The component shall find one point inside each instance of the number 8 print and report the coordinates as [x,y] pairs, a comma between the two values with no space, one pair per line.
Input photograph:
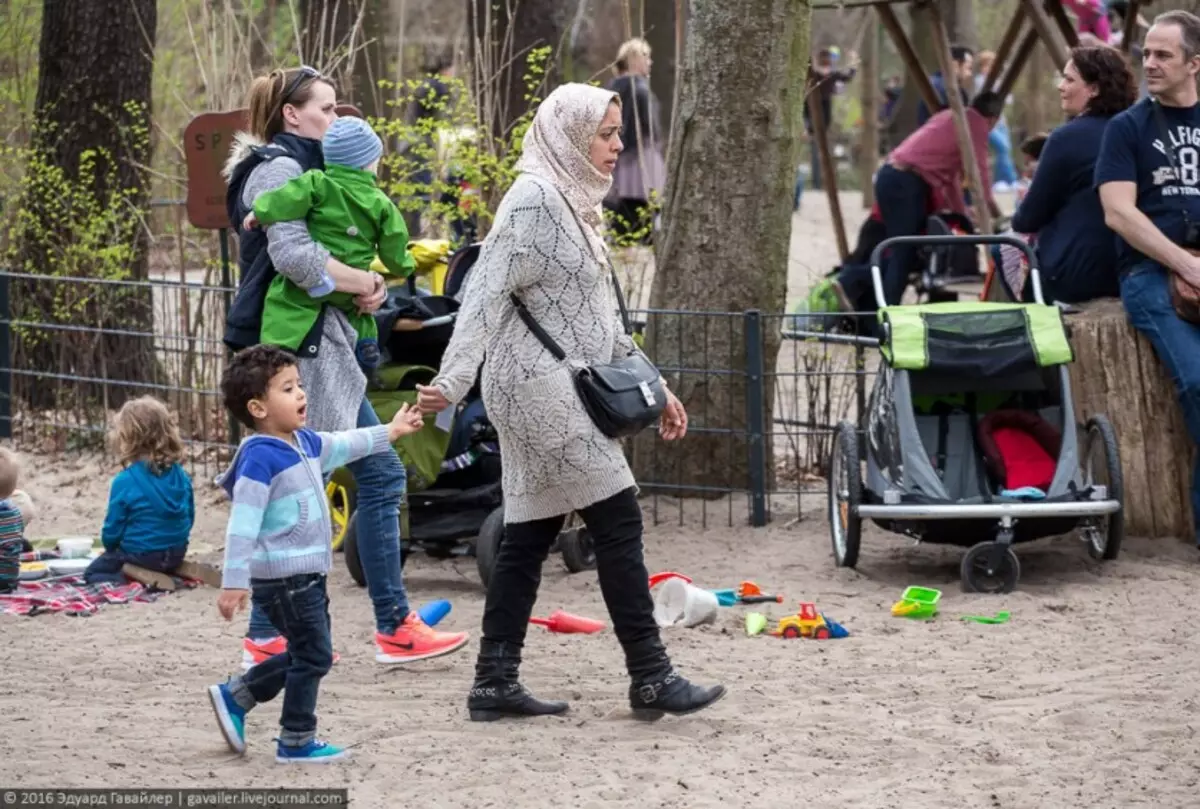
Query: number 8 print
[1189,165]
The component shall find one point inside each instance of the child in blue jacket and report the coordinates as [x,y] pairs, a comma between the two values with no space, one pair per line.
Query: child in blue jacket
[150,504]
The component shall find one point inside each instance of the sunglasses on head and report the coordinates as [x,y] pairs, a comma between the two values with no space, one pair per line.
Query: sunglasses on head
[302,74]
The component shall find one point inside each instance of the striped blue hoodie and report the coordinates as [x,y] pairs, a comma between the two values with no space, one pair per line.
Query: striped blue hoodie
[279,525]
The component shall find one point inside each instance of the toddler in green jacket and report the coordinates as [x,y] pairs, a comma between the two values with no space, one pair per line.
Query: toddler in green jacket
[352,218]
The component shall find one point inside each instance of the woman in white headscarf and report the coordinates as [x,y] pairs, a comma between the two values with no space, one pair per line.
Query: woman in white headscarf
[546,249]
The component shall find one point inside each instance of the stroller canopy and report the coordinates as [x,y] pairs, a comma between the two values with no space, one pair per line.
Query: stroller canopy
[973,339]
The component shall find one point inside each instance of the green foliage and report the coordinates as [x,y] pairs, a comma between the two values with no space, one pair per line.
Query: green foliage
[436,154]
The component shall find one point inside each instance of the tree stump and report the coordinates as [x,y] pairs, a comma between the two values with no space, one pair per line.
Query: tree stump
[1117,373]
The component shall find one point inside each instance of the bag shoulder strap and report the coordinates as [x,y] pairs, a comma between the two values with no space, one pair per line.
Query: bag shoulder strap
[538,331]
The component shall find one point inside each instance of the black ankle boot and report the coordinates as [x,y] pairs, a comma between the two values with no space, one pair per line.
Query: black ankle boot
[497,693]
[657,689]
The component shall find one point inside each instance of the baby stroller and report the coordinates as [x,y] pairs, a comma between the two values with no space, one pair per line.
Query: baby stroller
[453,505]
[971,437]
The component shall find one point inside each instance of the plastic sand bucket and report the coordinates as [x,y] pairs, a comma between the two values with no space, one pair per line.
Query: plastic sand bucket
[678,602]
[917,602]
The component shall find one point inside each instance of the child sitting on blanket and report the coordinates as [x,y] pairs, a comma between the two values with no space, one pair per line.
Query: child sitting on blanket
[352,218]
[16,512]
[277,546]
[150,503]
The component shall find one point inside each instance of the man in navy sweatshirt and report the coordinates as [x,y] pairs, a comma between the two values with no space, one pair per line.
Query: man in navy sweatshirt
[1148,175]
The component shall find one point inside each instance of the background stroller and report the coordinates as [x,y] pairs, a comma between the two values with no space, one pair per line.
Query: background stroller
[958,383]
[454,503]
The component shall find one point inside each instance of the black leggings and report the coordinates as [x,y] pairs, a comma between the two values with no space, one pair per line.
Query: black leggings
[616,528]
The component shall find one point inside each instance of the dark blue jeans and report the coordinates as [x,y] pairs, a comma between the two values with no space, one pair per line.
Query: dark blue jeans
[298,608]
[1176,342]
[903,199]
[381,480]
[107,566]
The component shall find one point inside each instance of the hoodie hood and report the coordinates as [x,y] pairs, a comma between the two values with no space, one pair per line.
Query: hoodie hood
[168,492]
[243,142]
[227,479]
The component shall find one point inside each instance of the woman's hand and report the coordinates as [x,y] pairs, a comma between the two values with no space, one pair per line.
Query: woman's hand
[672,425]
[371,301]
[431,399]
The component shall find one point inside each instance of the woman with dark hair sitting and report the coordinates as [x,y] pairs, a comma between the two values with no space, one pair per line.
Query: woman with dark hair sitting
[1061,210]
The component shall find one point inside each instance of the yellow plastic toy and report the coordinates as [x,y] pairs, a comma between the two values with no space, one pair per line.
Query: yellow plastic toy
[807,623]
[432,259]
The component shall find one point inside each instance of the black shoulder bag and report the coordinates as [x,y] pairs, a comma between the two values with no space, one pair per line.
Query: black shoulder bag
[623,397]
[1185,298]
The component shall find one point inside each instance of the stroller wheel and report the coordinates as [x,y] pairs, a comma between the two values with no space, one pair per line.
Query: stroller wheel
[983,572]
[1102,465]
[845,495]
[578,552]
[487,547]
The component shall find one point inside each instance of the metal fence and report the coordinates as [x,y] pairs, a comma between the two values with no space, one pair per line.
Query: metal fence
[72,349]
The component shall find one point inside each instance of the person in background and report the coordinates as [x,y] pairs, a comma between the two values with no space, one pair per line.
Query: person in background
[1091,17]
[825,81]
[964,63]
[16,512]
[999,141]
[428,103]
[641,171]
[926,169]
[1061,210]
[150,504]
[1154,206]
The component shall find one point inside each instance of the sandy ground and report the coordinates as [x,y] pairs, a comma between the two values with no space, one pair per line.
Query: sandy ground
[1084,699]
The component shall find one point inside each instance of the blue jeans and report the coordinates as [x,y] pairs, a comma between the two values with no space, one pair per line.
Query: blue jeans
[381,480]
[107,566]
[1000,143]
[298,608]
[1176,342]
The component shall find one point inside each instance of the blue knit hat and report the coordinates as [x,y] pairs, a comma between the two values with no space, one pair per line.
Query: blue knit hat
[351,142]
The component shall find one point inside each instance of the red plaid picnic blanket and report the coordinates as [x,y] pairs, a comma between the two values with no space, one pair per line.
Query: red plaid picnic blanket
[71,595]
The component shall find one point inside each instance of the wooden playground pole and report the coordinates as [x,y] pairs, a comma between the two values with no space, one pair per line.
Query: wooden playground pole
[1041,24]
[1005,49]
[1131,16]
[1070,35]
[983,215]
[869,145]
[909,57]
[1024,51]
[816,114]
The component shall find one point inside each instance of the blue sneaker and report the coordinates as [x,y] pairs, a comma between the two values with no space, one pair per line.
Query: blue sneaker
[230,717]
[315,752]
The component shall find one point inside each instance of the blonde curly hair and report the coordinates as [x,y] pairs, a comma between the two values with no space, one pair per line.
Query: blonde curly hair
[10,471]
[144,430]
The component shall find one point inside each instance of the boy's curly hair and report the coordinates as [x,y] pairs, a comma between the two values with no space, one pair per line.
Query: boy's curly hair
[248,375]
[10,471]
[145,430]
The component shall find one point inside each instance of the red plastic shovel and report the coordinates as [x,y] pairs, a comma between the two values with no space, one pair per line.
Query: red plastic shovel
[566,623]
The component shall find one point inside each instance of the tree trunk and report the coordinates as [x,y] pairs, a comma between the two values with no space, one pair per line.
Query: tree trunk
[374,60]
[727,233]
[84,199]
[1117,374]
[329,40]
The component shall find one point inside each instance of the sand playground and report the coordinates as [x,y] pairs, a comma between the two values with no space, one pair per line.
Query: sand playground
[1086,697]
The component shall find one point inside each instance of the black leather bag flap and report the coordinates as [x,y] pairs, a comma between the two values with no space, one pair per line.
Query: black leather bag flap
[625,374]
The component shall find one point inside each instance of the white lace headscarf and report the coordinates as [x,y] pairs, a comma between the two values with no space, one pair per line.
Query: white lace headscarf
[558,143]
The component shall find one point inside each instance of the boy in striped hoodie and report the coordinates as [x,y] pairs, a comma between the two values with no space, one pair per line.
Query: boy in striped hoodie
[277,545]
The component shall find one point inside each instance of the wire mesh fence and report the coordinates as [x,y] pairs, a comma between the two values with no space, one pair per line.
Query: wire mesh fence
[763,395]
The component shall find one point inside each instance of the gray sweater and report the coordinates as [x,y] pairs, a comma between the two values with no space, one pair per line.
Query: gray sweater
[332,379]
[555,460]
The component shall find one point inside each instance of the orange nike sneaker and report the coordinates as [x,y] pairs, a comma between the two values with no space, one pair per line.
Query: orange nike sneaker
[415,640]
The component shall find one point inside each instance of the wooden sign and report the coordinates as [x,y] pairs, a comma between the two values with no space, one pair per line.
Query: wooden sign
[207,140]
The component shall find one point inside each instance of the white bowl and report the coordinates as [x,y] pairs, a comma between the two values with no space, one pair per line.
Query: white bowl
[75,547]
[67,567]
